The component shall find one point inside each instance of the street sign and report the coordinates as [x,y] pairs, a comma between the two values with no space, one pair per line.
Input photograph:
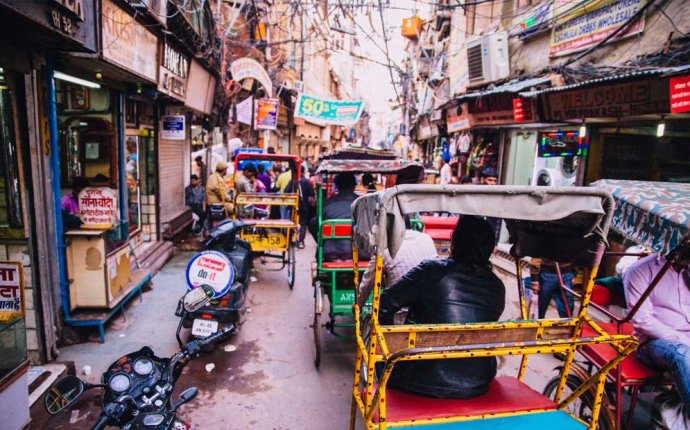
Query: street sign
[173,127]
[12,302]
[324,111]
[211,268]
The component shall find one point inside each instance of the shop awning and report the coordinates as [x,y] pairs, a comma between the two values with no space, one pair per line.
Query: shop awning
[513,86]
[660,71]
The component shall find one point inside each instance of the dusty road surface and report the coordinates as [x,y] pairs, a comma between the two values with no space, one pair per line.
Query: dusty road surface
[264,376]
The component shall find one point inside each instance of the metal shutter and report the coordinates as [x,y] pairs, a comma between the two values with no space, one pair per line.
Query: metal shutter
[172,167]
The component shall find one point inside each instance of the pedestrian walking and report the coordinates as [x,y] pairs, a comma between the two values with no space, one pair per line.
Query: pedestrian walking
[307,200]
[201,169]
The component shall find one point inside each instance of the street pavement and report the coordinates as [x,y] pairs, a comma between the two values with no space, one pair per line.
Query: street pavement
[264,376]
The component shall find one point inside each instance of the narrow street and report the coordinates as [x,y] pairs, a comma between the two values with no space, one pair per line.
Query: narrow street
[264,376]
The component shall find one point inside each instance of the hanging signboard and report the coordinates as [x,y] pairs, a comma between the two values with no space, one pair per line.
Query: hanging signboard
[324,111]
[211,268]
[266,114]
[128,43]
[590,24]
[12,304]
[173,127]
[679,92]
[247,68]
[172,75]
[243,110]
[98,207]
[457,119]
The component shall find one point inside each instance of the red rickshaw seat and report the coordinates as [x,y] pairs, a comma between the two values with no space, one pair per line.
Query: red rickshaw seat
[506,394]
[439,234]
[633,371]
[441,222]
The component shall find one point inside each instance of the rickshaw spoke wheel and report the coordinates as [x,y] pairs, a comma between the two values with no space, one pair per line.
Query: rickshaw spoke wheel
[583,406]
[316,324]
[291,265]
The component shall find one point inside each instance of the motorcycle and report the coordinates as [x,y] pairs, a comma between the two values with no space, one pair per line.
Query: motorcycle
[228,306]
[138,387]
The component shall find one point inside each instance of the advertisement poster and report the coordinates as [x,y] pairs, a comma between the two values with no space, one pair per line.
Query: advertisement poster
[211,268]
[324,111]
[589,25]
[11,290]
[266,114]
[680,94]
[98,207]
[173,127]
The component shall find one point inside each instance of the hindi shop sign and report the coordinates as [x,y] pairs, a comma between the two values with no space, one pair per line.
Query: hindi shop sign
[679,92]
[266,114]
[247,68]
[12,303]
[211,268]
[172,76]
[98,207]
[324,111]
[591,24]
[173,127]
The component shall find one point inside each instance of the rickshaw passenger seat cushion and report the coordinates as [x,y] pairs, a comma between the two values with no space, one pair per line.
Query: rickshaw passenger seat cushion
[439,234]
[343,264]
[633,370]
[541,420]
[439,222]
[506,394]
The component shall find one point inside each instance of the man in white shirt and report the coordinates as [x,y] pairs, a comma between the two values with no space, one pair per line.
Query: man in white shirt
[416,247]
[446,173]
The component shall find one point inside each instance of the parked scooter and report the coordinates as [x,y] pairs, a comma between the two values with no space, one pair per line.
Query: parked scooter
[228,306]
[139,386]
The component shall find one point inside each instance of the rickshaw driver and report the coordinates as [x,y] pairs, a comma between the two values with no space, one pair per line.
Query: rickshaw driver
[460,289]
[338,206]
[662,323]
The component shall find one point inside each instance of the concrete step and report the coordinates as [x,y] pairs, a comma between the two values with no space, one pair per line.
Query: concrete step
[156,255]
[40,380]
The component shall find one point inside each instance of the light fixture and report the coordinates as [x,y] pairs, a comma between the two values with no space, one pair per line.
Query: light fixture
[69,78]
[139,89]
[660,129]
[583,131]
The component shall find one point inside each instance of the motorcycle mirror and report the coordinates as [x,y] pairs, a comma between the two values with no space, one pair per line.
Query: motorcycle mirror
[197,298]
[63,393]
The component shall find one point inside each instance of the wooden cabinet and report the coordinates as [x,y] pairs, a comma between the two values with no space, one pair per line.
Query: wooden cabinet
[96,279]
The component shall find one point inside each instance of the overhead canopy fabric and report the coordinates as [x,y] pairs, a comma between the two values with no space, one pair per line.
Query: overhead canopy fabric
[566,224]
[359,154]
[653,214]
[407,171]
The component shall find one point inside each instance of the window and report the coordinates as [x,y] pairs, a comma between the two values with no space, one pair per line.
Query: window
[10,201]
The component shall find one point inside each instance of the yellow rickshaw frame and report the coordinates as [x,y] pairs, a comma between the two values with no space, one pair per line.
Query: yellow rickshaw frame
[392,344]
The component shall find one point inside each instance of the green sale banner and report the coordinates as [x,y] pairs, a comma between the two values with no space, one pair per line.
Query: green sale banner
[336,112]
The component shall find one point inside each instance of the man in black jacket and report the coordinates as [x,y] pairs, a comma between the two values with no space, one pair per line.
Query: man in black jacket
[460,289]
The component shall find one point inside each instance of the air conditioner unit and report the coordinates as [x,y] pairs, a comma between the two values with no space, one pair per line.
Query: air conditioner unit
[299,86]
[487,58]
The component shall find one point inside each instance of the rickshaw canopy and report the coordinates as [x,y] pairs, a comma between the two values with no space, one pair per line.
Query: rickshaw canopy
[653,214]
[294,160]
[358,154]
[402,168]
[565,224]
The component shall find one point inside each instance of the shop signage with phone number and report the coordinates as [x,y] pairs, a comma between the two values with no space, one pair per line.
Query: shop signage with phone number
[336,112]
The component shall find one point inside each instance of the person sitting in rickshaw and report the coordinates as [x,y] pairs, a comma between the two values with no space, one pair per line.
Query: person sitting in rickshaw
[416,247]
[338,206]
[662,323]
[459,289]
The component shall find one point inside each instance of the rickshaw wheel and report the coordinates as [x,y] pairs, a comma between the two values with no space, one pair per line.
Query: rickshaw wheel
[291,265]
[584,408]
[316,325]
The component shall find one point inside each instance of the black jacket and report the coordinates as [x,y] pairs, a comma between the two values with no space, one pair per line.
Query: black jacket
[437,292]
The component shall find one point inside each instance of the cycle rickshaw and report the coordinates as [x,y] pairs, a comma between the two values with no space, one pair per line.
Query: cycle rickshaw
[325,274]
[561,224]
[271,239]
[656,216]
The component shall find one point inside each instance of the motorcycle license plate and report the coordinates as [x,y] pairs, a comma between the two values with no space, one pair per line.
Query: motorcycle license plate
[204,328]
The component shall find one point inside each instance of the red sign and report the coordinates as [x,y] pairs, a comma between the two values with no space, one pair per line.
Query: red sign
[98,206]
[11,290]
[679,92]
[518,110]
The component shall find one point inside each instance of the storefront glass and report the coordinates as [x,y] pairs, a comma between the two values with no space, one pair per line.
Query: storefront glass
[10,202]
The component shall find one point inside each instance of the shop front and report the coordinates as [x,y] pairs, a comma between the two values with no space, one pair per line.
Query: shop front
[634,131]
[309,140]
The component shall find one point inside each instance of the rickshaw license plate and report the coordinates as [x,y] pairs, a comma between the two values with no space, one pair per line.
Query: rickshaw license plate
[274,240]
[204,328]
